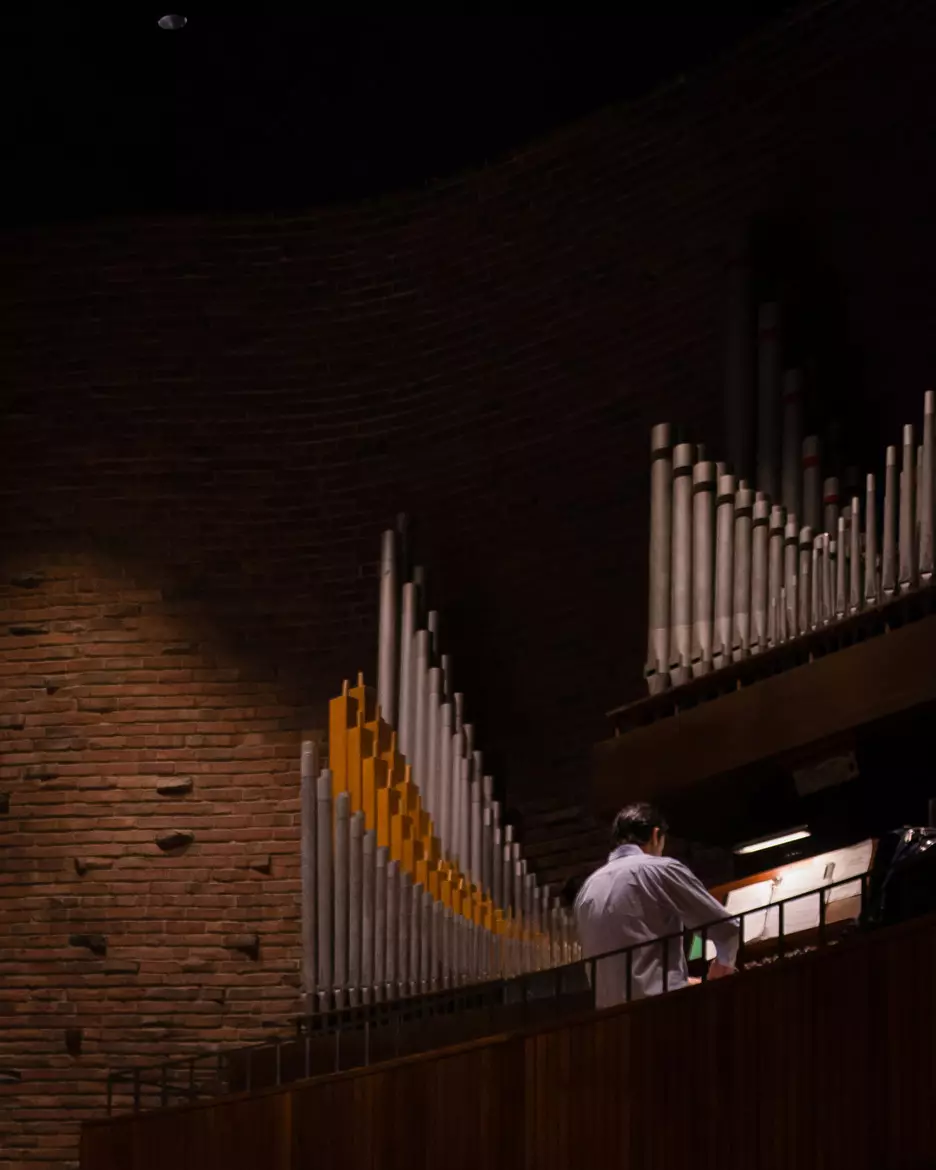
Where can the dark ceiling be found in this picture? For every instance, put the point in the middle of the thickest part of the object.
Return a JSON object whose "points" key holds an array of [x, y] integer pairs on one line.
{"points": [[106, 112]]}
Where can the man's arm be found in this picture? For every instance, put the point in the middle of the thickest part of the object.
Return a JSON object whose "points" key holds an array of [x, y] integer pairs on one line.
{"points": [[696, 907]]}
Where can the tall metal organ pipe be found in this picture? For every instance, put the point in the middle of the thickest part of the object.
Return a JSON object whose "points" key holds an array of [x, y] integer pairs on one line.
{"points": [[812, 484], [308, 779], [680, 649], [661, 481], [703, 565], [908, 535], [760, 549], [792, 448], [768, 397], [871, 577], [744, 507], [775, 617], [927, 488], [724, 569], [889, 551], [406, 727], [388, 632]]}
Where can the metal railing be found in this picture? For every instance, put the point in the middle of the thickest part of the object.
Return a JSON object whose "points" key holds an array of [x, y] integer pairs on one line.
{"points": [[359, 1036]]}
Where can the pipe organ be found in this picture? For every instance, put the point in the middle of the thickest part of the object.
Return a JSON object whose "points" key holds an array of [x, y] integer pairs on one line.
{"points": [[411, 882], [736, 570]]}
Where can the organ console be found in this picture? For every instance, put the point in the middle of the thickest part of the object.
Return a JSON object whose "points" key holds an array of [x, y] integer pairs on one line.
{"points": [[757, 895]]}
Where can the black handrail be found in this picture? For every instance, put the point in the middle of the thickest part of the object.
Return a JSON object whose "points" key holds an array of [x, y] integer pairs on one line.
{"points": [[502, 992]]}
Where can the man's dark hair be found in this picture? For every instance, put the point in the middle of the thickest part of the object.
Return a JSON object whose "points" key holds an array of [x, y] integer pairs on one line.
{"points": [[635, 823]]}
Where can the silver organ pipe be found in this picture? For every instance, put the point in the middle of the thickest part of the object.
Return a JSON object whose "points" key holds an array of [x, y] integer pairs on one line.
{"points": [[703, 565], [748, 574], [760, 561], [661, 488], [387, 673]]}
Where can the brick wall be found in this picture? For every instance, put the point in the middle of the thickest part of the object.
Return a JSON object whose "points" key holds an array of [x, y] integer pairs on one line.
{"points": [[211, 419]]}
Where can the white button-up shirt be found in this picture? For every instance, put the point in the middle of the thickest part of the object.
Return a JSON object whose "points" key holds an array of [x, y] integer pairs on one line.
{"points": [[636, 898]]}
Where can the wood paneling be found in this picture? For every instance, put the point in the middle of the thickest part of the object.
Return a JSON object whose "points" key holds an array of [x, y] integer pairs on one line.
{"points": [[822, 1062]]}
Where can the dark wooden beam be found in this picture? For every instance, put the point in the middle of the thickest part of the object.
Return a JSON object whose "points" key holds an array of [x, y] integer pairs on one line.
{"points": [[774, 719]]}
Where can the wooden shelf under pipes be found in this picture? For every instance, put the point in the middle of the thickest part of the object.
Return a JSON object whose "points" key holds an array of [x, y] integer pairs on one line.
{"points": [[773, 706]]}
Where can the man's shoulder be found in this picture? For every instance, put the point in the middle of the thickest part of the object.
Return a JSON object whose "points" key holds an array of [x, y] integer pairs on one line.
{"points": [[665, 867], [614, 868], [623, 869]]}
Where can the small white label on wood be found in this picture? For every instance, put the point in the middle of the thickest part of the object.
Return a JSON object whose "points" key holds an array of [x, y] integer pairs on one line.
{"points": [[835, 770]]}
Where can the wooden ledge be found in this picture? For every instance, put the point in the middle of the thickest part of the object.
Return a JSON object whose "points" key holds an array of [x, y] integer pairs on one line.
{"points": [[861, 627], [778, 716]]}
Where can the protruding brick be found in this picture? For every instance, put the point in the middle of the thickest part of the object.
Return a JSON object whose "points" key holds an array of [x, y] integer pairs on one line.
{"points": [[199, 967], [127, 610], [40, 772], [177, 786], [10, 1076], [28, 580], [85, 865], [121, 967], [247, 944], [95, 943], [177, 839], [12, 722], [28, 630], [261, 864]]}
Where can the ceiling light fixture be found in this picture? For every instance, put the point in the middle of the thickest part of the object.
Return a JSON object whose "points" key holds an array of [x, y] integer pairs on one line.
{"points": [[777, 839], [172, 22]]}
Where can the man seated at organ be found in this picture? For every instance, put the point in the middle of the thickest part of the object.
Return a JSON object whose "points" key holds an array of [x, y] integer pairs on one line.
{"points": [[640, 896]]}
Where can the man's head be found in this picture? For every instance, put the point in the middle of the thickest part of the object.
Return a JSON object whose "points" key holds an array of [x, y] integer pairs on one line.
{"points": [[640, 824]]}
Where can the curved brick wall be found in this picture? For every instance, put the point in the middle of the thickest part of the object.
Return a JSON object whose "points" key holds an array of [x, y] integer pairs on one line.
{"points": [[211, 420]]}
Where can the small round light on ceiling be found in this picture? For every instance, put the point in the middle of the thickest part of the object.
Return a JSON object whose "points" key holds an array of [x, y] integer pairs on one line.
{"points": [[172, 22]]}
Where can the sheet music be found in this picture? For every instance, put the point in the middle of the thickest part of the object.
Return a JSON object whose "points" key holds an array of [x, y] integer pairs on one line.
{"points": [[809, 875], [751, 898], [802, 914], [853, 861]]}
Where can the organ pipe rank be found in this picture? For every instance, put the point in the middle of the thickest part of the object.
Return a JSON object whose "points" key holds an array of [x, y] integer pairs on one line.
{"points": [[734, 571], [411, 883]]}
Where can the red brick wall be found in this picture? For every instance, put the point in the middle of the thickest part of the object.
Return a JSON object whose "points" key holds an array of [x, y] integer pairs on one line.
{"points": [[210, 421]]}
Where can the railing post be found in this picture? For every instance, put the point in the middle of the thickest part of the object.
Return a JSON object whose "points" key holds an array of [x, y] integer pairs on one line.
{"points": [[704, 954], [822, 917], [781, 940]]}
